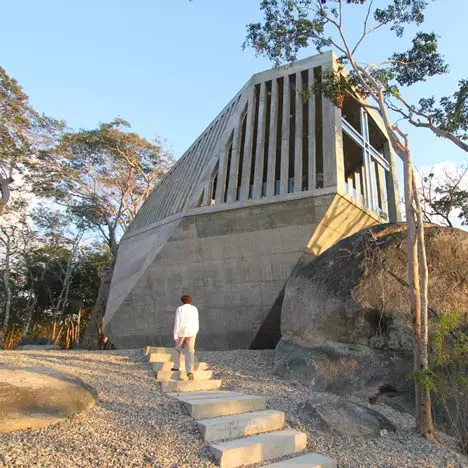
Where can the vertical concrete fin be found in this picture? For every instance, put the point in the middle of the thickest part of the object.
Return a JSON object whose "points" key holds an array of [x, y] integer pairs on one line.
{"points": [[298, 136], [273, 139], [259, 161], [285, 137], [225, 162], [248, 145], [236, 147], [312, 183]]}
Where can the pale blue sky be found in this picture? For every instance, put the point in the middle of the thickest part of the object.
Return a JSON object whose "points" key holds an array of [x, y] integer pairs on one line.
{"points": [[169, 67]]}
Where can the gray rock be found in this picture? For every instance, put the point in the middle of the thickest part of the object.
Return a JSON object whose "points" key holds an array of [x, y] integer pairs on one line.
{"points": [[31, 398], [346, 322], [349, 419], [46, 347], [343, 368], [354, 292], [30, 340]]}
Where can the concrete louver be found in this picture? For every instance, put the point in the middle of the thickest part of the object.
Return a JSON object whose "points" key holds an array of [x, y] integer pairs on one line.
{"points": [[254, 149]]}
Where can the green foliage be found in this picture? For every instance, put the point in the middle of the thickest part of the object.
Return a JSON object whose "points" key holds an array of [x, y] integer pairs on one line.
{"points": [[102, 177], [289, 26], [24, 133], [450, 351], [420, 62], [451, 114], [447, 377], [292, 25], [445, 199], [401, 12], [99, 177], [46, 268], [39, 284]]}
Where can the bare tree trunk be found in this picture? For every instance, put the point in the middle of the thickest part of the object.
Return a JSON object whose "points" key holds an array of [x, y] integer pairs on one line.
{"points": [[62, 300], [57, 339], [54, 328], [6, 284], [30, 308], [5, 192], [413, 274], [77, 333], [426, 424], [93, 338], [68, 333], [418, 286]]}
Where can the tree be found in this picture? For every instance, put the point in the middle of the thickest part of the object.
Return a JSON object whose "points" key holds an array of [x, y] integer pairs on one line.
{"points": [[16, 237], [52, 264], [289, 26], [102, 177], [24, 133], [63, 281], [445, 196]]}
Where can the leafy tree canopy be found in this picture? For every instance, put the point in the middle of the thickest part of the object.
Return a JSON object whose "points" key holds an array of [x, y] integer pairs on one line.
{"points": [[102, 176], [290, 26], [24, 133]]}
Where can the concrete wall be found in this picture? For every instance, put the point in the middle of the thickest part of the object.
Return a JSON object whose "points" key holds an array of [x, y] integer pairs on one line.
{"points": [[135, 255], [233, 262]]}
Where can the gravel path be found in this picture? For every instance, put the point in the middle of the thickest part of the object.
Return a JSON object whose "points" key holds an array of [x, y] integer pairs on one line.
{"points": [[137, 426]]}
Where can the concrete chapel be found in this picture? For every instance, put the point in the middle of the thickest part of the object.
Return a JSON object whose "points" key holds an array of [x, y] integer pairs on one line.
{"points": [[271, 183]]}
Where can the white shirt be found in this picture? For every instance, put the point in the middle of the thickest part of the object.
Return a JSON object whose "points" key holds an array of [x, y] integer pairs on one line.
{"points": [[186, 321]]}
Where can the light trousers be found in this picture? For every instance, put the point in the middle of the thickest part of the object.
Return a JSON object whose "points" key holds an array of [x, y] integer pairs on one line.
{"points": [[187, 346]]}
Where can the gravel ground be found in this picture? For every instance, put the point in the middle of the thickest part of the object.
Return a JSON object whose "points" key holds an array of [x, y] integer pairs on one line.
{"points": [[137, 426]]}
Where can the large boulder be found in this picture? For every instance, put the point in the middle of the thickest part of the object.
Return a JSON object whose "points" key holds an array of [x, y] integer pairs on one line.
{"points": [[31, 398], [346, 322]]}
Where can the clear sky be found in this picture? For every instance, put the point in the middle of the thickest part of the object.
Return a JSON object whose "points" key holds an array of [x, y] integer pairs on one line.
{"points": [[169, 67]]}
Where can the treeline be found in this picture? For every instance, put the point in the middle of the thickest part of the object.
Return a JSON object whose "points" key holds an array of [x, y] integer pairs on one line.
{"points": [[66, 198]]}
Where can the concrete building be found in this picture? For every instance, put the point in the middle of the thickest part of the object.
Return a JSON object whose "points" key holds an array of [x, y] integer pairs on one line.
{"points": [[272, 182]]}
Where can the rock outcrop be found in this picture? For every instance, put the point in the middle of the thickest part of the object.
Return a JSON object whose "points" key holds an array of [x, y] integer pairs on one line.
{"points": [[346, 323]]}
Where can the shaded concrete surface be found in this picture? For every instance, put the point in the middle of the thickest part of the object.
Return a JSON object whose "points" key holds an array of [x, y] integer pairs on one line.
{"points": [[234, 263]]}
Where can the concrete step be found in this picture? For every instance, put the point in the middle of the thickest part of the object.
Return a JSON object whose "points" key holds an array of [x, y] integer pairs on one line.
{"points": [[204, 395], [158, 357], [163, 376], [189, 385], [259, 448], [311, 460], [202, 408], [159, 350], [241, 425], [168, 365]]}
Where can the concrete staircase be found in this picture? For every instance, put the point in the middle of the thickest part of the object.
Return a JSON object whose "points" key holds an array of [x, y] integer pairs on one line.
{"points": [[238, 428]]}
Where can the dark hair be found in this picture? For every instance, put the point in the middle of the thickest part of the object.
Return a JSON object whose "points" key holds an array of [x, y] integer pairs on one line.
{"points": [[186, 299]]}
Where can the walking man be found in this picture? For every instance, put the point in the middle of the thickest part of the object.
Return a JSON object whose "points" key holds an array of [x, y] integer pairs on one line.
{"points": [[185, 332]]}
